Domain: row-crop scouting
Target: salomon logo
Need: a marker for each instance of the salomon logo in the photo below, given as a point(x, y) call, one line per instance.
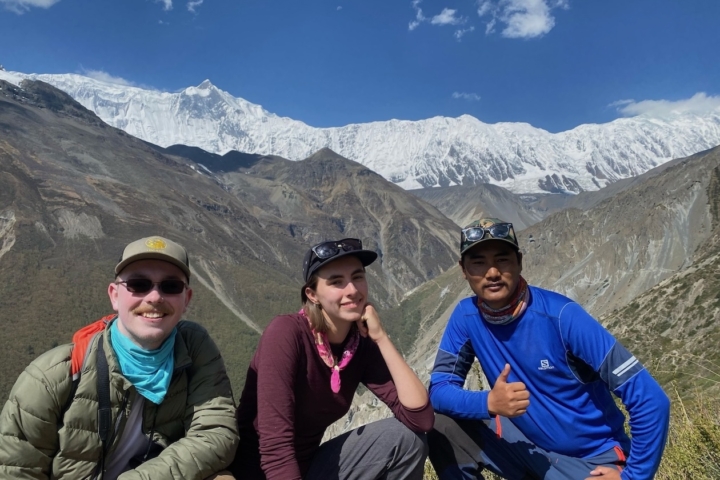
point(545, 365)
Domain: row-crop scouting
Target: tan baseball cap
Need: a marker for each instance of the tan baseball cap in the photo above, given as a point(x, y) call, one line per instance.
point(157, 248)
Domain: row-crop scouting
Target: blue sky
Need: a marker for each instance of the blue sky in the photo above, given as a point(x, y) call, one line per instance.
point(552, 63)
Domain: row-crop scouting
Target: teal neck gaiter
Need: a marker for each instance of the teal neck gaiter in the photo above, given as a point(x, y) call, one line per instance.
point(150, 371)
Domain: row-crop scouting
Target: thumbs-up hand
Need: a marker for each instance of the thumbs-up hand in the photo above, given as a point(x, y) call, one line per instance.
point(508, 399)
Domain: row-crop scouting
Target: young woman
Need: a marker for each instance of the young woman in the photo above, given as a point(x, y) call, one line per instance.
point(305, 372)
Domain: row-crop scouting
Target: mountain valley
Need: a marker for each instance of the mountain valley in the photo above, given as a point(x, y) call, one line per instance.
point(641, 254)
point(74, 191)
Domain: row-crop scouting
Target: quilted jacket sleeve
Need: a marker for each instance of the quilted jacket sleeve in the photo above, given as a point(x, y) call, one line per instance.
point(29, 420)
point(211, 436)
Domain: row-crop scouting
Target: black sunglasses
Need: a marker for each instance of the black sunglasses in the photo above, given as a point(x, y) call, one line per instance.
point(144, 285)
point(327, 250)
point(499, 230)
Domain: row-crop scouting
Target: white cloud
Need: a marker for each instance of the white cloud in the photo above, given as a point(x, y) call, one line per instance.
point(193, 4)
point(419, 17)
point(459, 33)
point(522, 18)
point(618, 103)
point(698, 104)
point(485, 7)
point(447, 17)
point(470, 97)
point(167, 4)
point(527, 19)
point(339, 8)
point(103, 76)
point(490, 27)
point(107, 78)
point(21, 6)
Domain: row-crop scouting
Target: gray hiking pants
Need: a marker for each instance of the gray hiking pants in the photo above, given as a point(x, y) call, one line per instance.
point(385, 450)
point(462, 449)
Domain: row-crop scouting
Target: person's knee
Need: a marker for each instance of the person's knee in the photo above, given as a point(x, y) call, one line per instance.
point(420, 445)
point(444, 427)
point(409, 442)
point(443, 423)
point(426, 444)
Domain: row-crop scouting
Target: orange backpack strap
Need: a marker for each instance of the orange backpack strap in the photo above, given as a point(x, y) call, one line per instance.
point(81, 340)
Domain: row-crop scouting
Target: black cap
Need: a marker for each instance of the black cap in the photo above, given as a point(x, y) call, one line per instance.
point(311, 262)
point(487, 225)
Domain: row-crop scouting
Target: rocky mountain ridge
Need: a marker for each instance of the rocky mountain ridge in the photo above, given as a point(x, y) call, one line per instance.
point(74, 191)
point(607, 255)
point(438, 151)
point(464, 204)
point(642, 258)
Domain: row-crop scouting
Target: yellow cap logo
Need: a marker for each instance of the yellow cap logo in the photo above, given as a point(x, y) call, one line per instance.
point(155, 244)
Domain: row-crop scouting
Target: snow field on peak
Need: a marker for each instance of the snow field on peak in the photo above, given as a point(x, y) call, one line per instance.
point(412, 154)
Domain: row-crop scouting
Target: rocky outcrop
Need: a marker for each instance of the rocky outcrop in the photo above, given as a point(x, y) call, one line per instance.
point(7, 235)
point(463, 204)
point(607, 255)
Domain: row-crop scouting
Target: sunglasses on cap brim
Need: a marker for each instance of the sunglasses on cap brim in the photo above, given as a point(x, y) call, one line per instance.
point(499, 230)
point(326, 250)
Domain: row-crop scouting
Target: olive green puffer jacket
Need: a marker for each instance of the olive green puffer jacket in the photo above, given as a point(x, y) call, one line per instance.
point(195, 423)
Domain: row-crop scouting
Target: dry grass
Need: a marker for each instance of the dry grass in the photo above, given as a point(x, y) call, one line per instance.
point(431, 475)
point(693, 447)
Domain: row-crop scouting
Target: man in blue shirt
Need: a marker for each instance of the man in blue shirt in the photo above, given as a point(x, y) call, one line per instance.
point(550, 413)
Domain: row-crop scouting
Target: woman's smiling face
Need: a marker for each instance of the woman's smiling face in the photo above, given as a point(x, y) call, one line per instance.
point(341, 290)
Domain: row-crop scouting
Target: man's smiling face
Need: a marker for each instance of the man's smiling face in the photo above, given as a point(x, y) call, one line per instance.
point(492, 268)
point(148, 318)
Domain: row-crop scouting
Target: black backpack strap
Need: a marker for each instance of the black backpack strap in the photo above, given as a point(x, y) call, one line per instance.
point(103, 390)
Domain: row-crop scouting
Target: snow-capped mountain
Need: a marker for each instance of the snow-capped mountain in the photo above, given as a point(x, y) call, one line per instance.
point(412, 154)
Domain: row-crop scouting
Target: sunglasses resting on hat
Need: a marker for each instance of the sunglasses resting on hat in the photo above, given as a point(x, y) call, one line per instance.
point(476, 233)
point(499, 230)
point(327, 250)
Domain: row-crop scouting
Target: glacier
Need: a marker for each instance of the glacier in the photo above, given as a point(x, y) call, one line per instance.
point(438, 151)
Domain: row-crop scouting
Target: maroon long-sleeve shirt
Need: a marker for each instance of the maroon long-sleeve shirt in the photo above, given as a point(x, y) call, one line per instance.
point(287, 402)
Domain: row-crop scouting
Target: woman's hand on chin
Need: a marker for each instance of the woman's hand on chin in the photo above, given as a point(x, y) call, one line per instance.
point(370, 325)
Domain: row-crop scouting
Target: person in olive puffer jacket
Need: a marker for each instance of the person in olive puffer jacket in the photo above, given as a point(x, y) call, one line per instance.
point(171, 409)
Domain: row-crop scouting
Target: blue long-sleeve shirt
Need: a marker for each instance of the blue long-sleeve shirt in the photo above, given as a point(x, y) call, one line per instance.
point(570, 365)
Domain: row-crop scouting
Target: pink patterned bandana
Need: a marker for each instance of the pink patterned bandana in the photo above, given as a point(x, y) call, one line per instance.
point(323, 348)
